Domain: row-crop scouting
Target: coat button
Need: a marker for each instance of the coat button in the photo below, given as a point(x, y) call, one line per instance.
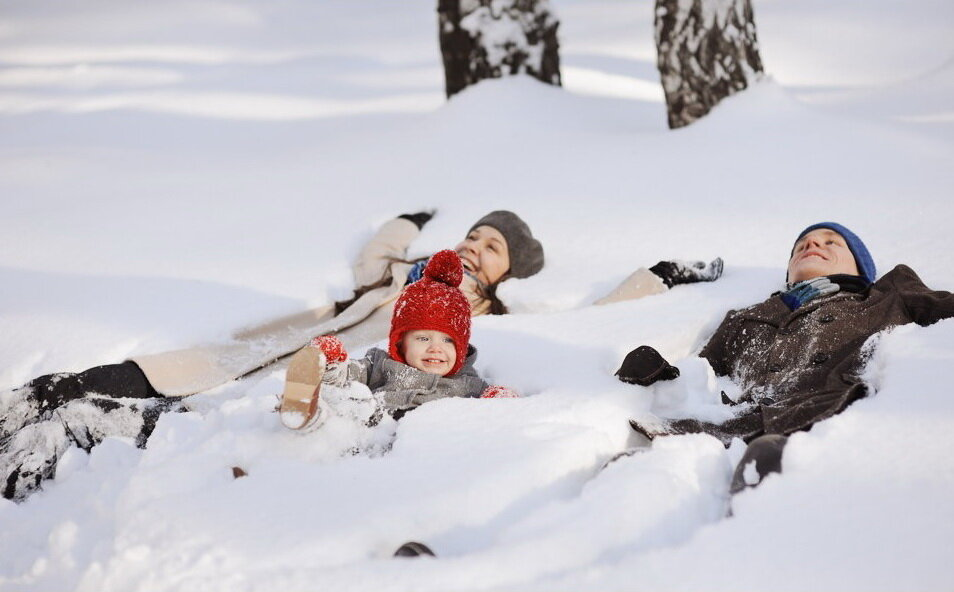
point(826, 319)
point(820, 358)
point(775, 367)
point(767, 401)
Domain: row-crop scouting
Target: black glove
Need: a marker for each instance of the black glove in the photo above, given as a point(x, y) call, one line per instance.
point(644, 366)
point(674, 273)
point(420, 218)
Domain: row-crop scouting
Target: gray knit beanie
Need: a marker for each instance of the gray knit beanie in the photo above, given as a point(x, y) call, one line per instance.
point(526, 252)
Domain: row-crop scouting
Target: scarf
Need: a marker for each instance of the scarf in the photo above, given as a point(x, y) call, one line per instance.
point(800, 293)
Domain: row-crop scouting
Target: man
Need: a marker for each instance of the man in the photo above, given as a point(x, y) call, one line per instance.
point(797, 355)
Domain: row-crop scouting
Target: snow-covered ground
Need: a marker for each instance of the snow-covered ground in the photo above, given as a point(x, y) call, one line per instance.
point(172, 171)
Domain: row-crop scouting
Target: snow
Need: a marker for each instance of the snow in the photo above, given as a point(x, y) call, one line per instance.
point(170, 172)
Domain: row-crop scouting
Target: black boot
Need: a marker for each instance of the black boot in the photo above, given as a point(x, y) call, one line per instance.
point(762, 458)
point(18, 408)
point(30, 456)
point(674, 273)
point(413, 549)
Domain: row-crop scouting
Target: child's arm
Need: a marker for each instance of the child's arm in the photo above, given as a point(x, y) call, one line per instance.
point(360, 370)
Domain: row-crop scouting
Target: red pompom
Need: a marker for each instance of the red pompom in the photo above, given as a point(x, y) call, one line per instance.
point(445, 267)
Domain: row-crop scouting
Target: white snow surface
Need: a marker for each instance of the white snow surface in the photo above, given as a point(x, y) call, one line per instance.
point(172, 171)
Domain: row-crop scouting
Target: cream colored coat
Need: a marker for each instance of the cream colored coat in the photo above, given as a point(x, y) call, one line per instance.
point(367, 320)
point(640, 283)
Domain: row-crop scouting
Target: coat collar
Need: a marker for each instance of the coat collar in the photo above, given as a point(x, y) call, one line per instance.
point(775, 312)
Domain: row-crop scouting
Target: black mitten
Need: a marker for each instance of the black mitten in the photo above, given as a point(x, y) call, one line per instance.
point(420, 218)
point(674, 273)
point(644, 366)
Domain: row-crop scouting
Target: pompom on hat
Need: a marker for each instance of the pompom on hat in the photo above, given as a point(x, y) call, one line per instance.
point(866, 266)
point(434, 303)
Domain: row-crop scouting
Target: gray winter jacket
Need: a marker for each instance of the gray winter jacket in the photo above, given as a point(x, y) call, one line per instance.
point(402, 387)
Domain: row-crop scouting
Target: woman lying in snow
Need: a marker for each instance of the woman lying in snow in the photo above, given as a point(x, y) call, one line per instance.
point(40, 421)
point(797, 355)
point(429, 357)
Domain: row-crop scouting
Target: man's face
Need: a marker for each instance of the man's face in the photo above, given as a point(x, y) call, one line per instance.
point(820, 252)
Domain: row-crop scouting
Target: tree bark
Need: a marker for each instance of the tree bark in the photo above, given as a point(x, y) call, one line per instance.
point(493, 38)
point(707, 50)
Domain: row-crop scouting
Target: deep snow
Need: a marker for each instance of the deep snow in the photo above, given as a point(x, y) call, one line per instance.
point(171, 172)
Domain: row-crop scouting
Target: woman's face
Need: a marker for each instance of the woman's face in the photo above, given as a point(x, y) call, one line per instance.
point(484, 253)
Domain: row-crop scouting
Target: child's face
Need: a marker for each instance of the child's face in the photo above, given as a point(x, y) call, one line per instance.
point(429, 351)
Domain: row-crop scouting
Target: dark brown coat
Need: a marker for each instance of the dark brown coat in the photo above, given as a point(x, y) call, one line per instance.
point(799, 367)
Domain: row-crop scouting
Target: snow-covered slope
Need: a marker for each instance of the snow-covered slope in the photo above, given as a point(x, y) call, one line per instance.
point(171, 172)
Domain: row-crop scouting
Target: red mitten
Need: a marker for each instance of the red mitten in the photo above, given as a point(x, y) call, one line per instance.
point(499, 392)
point(332, 347)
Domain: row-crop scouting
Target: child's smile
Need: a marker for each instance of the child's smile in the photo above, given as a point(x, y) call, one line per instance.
point(429, 351)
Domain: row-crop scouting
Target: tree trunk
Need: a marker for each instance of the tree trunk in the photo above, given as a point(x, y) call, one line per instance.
point(493, 38)
point(708, 50)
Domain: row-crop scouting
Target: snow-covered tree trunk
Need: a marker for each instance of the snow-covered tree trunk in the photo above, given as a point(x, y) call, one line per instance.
point(493, 38)
point(708, 50)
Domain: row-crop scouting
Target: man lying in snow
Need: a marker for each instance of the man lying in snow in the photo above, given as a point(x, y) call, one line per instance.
point(797, 355)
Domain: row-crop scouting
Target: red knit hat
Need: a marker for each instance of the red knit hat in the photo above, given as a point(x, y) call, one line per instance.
point(434, 303)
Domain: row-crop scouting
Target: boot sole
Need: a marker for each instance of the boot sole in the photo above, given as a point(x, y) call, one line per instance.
point(299, 406)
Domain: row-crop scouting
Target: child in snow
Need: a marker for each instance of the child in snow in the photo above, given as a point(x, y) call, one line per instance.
point(429, 356)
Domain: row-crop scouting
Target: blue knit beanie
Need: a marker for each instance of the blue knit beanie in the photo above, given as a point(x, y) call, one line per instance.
point(863, 260)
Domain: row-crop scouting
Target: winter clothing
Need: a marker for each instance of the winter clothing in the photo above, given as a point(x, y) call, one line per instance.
point(766, 454)
point(396, 387)
point(638, 284)
point(400, 387)
point(661, 277)
point(30, 455)
point(42, 395)
point(800, 293)
point(498, 392)
point(366, 320)
point(863, 260)
point(645, 366)
point(804, 291)
point(526, 252)
point(417, 271)
point(434, 303)
point(419, 219)
point(674, 273)
point(799, 367)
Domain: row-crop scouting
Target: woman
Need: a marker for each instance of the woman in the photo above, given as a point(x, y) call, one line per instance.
point(39, 421)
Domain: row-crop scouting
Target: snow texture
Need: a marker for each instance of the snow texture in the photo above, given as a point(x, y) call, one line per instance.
point(172, 171)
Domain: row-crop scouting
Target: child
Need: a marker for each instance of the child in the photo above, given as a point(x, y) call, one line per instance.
point(429, 356)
